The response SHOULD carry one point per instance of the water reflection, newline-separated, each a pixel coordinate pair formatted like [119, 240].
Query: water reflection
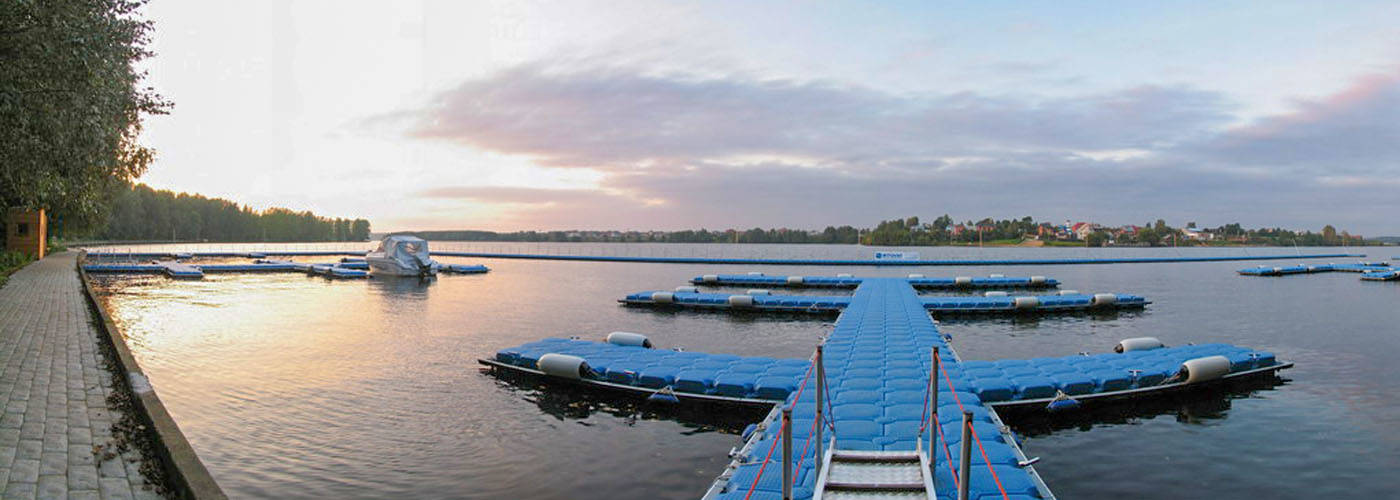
[303, 388]
[567, 401]
[402, 286]
[1192, 407]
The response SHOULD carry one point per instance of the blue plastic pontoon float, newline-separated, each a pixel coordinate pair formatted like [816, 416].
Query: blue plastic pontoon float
[877, 366]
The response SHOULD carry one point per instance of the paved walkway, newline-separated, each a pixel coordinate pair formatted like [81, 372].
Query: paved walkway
[56, 426]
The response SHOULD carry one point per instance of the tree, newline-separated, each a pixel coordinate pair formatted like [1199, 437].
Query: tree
[359, 230]
[1329, 234]
[1096, 238]
[71, 104]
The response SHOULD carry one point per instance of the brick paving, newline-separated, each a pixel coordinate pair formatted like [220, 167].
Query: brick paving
[56, 437]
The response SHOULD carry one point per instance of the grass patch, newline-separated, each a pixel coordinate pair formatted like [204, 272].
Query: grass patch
[11, 262]
[1062, 243]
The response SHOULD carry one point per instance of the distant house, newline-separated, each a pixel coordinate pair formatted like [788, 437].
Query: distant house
[1194, 234]
[958, 230]
[1082, 230]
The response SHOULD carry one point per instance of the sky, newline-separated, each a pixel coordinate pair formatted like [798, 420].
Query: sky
[514, 115]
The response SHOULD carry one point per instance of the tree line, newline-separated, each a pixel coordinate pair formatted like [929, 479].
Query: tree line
[141, 213]
[71, 104]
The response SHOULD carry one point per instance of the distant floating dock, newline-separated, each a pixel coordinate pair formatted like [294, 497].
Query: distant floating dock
[1370, 271]
[883, 262]
[346, 268]
[848, 281]
[885, 406]
[992, 302]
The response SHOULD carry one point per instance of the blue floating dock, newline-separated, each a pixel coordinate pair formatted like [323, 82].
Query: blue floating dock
[348, 267]
[763, 380]
[885, 263]
[1392, 275]
[877, 362]
[196, 271]
[918, 281]
[835, 303]
[1370, 271]
[464, 269]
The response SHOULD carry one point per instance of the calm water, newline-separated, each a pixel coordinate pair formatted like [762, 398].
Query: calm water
[297, 387]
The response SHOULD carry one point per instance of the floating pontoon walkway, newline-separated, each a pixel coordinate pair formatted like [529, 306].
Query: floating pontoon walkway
[1370, 271]
[883, 263]
[848, 281]
[346, 268]
[877, 366]
[760, 380]
[1392, 275]
[183, 270]
[762, 300]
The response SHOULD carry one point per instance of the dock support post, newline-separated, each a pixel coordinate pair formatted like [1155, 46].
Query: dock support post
[787, 453]
[821, 392]
[965, 464]
[933, 411]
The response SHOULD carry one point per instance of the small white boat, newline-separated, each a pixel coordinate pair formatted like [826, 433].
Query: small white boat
[402, 255]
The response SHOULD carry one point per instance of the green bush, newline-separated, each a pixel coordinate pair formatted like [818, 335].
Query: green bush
[11, 262]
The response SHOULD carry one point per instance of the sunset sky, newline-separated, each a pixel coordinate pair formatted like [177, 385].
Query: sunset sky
[667, 115]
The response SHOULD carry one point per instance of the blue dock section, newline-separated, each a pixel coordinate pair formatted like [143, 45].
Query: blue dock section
[1370, 271]
[885, 263]
[1392, 275]
[846, 281]
[877, 362]
[736, 261]
[761, 300]
[347, 267]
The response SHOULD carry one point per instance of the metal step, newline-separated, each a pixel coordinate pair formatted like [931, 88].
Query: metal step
[855, 475]
[875, 456]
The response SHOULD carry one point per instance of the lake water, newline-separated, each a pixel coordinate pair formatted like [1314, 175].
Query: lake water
[298, 387]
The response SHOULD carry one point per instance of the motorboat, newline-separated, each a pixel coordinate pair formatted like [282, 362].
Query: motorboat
[402, 255]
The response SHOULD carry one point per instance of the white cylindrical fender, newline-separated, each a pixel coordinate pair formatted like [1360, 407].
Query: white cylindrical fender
[916, 276]
[1205, 369]
[962, 280]
[1027, 302]
[845, 275]
[996, 275]
[629, 338]
[687, 289]
[740, 301]
[758, 291]
[1138, 344]
[1068, 292]
[794, 280]
[1037, 280]
[996, 294]
[755, 273]
[1278, 269]
[563, 365]
[1104, 299]
[710, 278]
[663, 297]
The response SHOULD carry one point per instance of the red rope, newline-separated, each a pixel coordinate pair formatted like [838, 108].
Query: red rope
[989, 464]
[925, 417]
[765, 461]
[946, 453]
[973, 430]
[803, 456]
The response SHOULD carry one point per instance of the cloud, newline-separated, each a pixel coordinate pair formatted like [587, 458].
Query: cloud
[617, 119]
[1352, 132]
[510, 194]
[679, 150]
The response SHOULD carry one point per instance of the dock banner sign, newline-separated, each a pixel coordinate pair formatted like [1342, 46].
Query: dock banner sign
[896, 255]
